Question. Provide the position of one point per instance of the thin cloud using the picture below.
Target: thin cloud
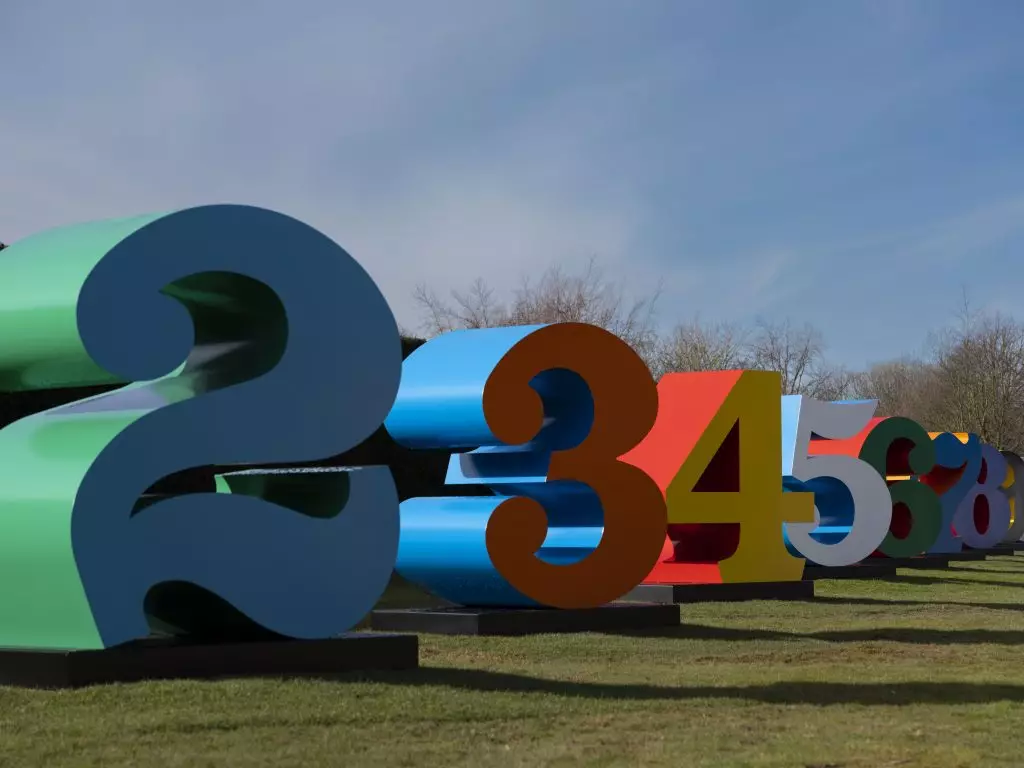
(777, 161)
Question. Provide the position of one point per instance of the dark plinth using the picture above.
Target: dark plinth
(920, 561)
(459, 620)
(869, 570)
(1007, 549)
(727, 593)
(969, 554)
(1000, 551)
(166, 659)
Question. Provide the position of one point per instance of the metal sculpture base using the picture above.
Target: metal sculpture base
(919, 561)
(869, 570)
(726, 593)
(171, 659)
(1007, 549)
(460, 620)
(969, 554)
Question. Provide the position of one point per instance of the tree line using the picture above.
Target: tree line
(969, 379)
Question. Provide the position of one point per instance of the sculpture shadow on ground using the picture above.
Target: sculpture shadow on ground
(912, 635)
(815, 693)
(933, 580)
(879, 602)
(982, 571)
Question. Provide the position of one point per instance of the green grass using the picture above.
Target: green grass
(923, 670)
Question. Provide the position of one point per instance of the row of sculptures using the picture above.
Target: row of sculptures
(242, 339)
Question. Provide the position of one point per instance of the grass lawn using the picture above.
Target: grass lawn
(922, 670)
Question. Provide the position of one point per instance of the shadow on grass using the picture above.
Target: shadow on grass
(911, 635)
(880, 602)
(820, 693)
(1004, 571)
(966, 582)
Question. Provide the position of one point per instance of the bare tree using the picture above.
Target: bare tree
(475, 308)
(557, 297)
(797, 354)
(904, 387)
(972, 379)
(980, 380)
(830, 382)
(695, 346)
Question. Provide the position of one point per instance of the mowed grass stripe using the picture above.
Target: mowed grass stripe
(920, 670)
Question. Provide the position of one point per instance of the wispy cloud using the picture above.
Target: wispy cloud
(967, 239)
(764, 159)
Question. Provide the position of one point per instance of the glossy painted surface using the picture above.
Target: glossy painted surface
(957, 464)
(898, 450)
(551, 409)
(852, 503)
(715, 451)
(251, 339)
(1013, 488)
(243, 337)
(983, 517)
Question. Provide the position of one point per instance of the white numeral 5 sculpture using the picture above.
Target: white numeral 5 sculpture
(852, 505)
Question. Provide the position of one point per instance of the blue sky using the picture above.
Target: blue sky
(851, 164)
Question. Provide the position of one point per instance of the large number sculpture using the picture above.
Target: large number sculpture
(957, 467)
(241, 337)
(1013, 489)
(547, 410)
(983, 516)
(244, 337)
(851, 499)
(898, 450)
(714, 452)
